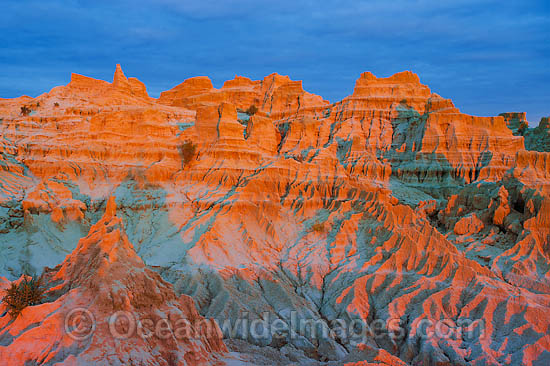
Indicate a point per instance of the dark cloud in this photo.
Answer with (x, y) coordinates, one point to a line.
(488, 56)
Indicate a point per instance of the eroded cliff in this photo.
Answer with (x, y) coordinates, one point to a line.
(389, 206)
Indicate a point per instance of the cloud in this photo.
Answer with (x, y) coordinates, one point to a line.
(471, 51)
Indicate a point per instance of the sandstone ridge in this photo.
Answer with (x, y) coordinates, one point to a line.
(389, 207)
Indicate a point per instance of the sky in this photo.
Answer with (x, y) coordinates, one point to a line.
(487, 56)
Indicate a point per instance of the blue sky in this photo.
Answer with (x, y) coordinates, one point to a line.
(488, 56)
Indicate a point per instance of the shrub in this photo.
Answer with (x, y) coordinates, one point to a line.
(56, 104)
(252, 110)
(28, 292)
(187, 151)
(25, 111)
(318, 227)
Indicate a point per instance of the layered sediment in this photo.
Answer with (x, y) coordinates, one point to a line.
(389, 206)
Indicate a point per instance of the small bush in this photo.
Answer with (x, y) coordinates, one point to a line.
(187, 151)
(318, 227)
(28, 292)
(252, 110)
(25, 111)
(56, 104)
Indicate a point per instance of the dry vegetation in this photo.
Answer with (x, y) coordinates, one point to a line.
(187, 151)
(28, 292)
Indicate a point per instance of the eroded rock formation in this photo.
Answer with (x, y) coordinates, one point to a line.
(104, 276)
(389, 207)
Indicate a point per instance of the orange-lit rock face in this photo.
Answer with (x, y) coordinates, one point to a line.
(103, 276)
(275, 95)
(389, 206)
